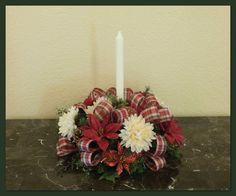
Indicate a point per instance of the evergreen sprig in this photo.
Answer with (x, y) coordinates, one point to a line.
(117, 102)
(147, 89)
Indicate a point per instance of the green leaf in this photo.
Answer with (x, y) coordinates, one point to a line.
(138, 166)
(173, 151)
(100, 169)
(110, 176)
(82, 121)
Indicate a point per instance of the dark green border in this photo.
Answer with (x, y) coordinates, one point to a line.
(4, 3)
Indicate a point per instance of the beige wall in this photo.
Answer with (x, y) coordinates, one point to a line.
(56, 55)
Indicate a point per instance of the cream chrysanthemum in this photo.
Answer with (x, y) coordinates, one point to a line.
(67, 124)
(91, 108)
(137, 134)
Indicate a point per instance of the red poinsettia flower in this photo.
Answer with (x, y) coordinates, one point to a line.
(88, 101)
(113, 157)
(173, 133)
(100, 132)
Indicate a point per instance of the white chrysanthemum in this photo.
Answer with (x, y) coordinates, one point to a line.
(91, 108)
(137, 134)
(67, 124)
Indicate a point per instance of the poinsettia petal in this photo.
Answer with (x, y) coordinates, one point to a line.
(126, 167)
(94, 122)
(105, 121)
(103, 144)
(83, 128)
(91, 134)
(111, 135)
(111, 158)
(119, 169)
(179, 139)
(130, 159)
(120, 149)
(170, 138)
(112, 127)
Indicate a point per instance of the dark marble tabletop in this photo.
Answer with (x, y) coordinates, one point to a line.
(31, 160)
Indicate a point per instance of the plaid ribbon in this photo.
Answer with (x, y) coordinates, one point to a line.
(111, 91)
(88, 145)
(119, 115)
(96, 93)
(152, 113)
(80, 106)
(90, 154)
(146, 105)
(155, 160)
(90, 158)
(103, 109)
(128, 92)
(136, 100)
(65, 147)
(150, 100)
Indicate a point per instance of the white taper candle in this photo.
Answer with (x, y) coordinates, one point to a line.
(120, 65)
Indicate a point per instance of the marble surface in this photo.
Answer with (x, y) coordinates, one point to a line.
(31, 160)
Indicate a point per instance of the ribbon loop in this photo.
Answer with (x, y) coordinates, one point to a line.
(65, 147)
(154, 163)
(154, 114)
(165, 115)
(119, 115)
(80, 106)
(90, 158)
(136, 99)
(150, 114)
(103, 109)
(128, 92)
(153, 159)
(111, 91)
(96, 93)
(88, 145)
(150, 100)
(161, 146)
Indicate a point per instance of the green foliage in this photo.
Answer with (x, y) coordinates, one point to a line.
(110, 176)
(106, 173)
(81, 118)
(137, 166)
(147, 89)
(173, 152)
(117, 102)
(75, 163)
(82, 121)
(158, 130)
(113, 143)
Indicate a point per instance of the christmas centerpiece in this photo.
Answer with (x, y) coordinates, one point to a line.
(117, 132)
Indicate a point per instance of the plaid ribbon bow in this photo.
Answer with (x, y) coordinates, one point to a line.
(65, 147)
(141, 103)
(104, 108)
(148, 106)
(155, 160)
(90, 154)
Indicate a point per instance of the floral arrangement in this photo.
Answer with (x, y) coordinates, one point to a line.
(113, 137)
